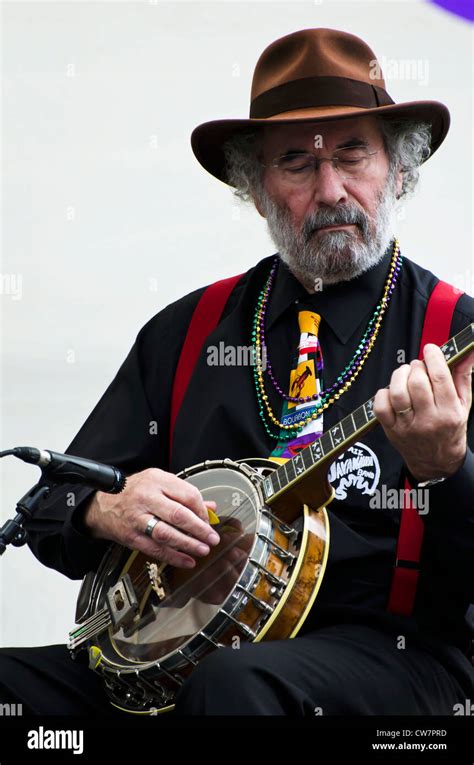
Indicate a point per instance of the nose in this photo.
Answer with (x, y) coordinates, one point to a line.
(329, 187)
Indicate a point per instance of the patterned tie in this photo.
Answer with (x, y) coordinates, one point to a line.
(306, 379)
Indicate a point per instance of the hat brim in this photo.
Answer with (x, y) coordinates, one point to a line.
(208, 139)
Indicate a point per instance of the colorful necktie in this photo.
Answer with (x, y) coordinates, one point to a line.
(306, 379)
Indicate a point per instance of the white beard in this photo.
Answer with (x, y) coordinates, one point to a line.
(333, 256)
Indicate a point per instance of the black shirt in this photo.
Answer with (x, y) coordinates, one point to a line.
(219, 418)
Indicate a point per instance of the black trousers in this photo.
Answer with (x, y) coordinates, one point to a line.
(347, 669)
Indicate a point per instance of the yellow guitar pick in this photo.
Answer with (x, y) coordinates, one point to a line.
(213, 518)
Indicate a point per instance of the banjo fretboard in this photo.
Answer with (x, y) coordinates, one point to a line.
(336, 440)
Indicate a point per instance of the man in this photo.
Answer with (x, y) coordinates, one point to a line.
(324, 157)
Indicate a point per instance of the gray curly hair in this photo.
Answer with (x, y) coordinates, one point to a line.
(407, 144)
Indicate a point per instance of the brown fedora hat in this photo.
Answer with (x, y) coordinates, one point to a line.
(314, 74)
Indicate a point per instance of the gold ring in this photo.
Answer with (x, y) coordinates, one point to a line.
(405, 411)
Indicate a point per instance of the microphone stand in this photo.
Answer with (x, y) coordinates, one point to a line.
(63, 469)
(13, 531)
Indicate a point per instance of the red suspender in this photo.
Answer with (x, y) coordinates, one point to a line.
(436, 329)
(204, 320)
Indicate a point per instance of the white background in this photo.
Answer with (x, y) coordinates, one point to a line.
(107, 216)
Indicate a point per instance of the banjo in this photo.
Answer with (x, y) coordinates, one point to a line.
(146, 625)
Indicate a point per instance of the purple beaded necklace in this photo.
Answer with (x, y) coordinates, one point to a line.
(362, 350)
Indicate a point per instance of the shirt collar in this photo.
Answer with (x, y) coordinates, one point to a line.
(343, 306)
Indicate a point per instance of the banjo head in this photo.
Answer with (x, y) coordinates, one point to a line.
(167, 619)
(175, 604)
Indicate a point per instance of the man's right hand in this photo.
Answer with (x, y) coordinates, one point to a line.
(183, 530)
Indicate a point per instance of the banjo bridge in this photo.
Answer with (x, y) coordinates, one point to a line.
(155, 574)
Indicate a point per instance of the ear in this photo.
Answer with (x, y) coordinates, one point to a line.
(398, 183)
(258, 205)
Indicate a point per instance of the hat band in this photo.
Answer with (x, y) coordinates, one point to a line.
(318, 91)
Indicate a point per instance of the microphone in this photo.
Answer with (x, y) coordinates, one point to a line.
(65, 468)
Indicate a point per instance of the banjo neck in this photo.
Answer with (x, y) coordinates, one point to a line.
(303, 479)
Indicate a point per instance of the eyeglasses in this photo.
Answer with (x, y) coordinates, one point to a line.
(297, 168)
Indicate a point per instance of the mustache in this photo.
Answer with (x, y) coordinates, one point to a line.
(340, 216)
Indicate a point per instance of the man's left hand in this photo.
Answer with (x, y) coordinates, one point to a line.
(424, 413)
